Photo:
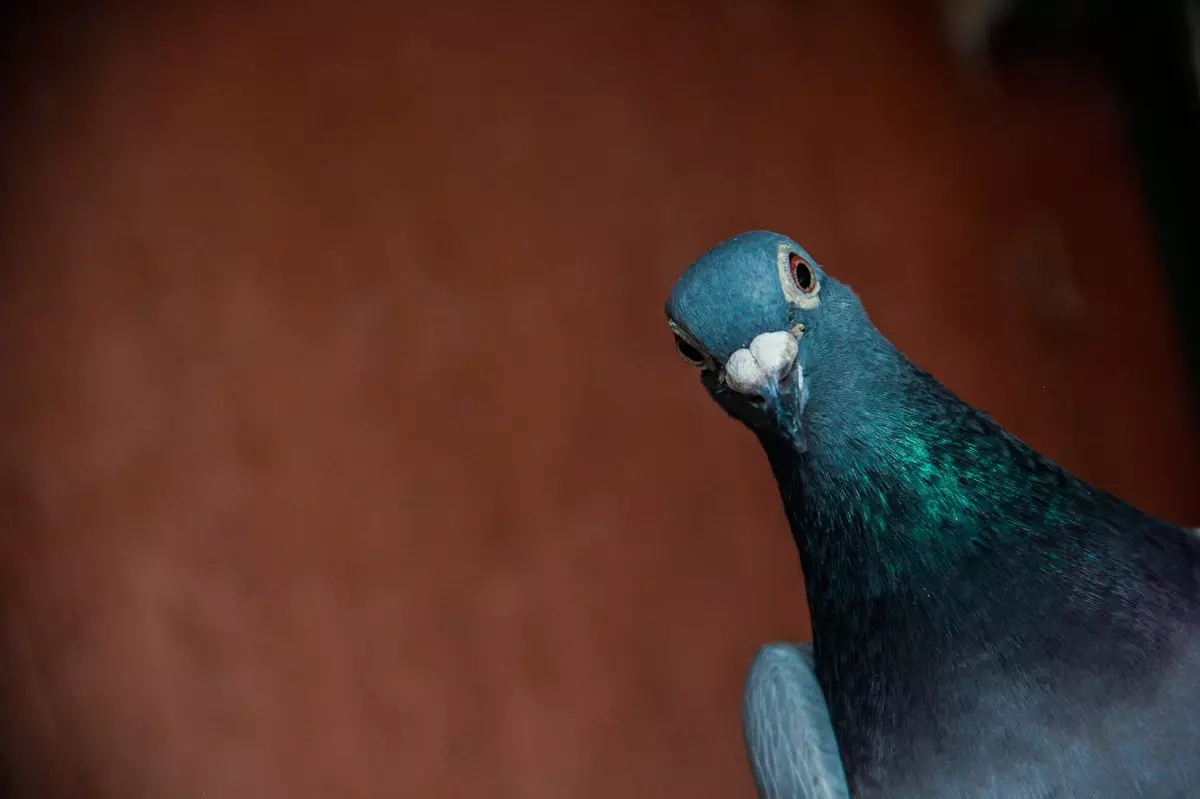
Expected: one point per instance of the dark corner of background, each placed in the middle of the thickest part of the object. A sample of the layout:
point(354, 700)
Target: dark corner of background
point(1149, 53)
point(35, 39)
point(38, 38)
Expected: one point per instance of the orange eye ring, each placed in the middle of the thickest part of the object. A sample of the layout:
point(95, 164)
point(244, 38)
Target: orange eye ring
point(802, 274)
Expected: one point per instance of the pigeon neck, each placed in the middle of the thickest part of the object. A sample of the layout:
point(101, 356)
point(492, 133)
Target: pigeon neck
point(900, 484)
point(930, 537)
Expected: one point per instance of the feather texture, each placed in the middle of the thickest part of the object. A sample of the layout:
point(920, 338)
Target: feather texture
point(789, 738)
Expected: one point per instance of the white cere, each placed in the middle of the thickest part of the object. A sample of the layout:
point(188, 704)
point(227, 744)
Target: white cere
point(769, 357)
point(743, 374)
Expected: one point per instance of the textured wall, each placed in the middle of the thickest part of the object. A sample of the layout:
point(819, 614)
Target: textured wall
point(345, 450)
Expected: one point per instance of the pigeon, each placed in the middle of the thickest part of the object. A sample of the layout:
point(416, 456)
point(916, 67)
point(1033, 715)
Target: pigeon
point(984, 623)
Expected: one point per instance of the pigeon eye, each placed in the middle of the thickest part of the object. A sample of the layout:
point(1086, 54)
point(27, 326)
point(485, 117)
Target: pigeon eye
point(802, 273)
point(688, 351)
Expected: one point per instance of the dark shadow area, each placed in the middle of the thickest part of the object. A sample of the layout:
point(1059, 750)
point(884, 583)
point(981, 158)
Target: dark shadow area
point(1148, 51)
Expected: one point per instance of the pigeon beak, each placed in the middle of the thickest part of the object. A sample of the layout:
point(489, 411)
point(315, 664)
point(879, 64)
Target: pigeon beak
point(769, 359)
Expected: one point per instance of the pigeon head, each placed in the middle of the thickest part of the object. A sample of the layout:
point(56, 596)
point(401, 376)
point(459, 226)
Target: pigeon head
point(760, 318)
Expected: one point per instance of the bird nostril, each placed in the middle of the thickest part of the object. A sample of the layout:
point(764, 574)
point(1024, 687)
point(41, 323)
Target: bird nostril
point(690, 353)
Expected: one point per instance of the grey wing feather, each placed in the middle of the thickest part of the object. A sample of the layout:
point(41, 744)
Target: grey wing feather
point(789, 738)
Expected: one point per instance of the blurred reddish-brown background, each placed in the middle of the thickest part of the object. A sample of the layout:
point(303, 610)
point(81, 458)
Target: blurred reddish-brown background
point(345, 450)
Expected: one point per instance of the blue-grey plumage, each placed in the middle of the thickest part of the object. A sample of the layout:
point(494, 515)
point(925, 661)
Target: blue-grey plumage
point(985, 624)
point(789, 738)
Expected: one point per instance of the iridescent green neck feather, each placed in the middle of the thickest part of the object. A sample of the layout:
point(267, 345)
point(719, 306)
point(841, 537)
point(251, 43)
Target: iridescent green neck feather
point(900, 486)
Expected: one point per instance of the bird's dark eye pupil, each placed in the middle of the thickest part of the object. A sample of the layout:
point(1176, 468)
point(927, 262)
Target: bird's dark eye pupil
point(802, 272)
point(688, 351)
